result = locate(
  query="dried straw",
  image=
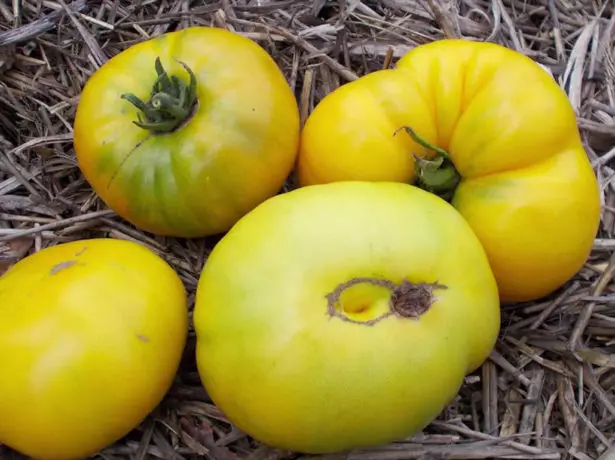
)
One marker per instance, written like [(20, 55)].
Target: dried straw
[(547, 390)]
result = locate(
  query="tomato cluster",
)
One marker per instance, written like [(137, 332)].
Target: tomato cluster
[(343, 314)]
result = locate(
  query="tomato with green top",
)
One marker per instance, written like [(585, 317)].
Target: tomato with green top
[(484, 127), (184, 133)]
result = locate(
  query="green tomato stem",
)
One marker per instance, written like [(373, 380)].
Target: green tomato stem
[(172, 102), (438, 175)]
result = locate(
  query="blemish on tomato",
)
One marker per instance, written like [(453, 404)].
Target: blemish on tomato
[(143, 338), (62, 266), (81, 251)]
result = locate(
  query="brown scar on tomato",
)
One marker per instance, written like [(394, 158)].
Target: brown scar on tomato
[(408, 300), (81, 251), (143, 338), (62, 266)]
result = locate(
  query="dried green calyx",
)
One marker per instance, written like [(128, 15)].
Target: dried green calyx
[(171, 103), (437, 175)]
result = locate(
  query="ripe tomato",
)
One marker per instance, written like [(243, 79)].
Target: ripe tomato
[(91, 335), (512, 160), (193, 168), (343, 315)]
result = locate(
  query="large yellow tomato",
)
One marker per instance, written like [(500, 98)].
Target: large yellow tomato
[(512, 161), (216, 132), (343, 315), (91, 336)]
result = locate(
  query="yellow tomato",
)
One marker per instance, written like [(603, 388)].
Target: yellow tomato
[(91, 335), (524, 182), (343, 315), (204, 155)]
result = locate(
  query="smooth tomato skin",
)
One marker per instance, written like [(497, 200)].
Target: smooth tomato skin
[(286, 372), (528, 189), (91, 336), (237, 150)]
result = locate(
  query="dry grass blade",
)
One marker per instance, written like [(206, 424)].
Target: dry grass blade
[(547, 390), (585, 317), (40, 26)]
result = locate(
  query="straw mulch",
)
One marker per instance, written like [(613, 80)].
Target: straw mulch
[(547, 390)]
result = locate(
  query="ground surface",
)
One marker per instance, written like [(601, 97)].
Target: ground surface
[(534, 398)]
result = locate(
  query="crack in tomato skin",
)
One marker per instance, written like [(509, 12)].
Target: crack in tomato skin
[(62, 266)]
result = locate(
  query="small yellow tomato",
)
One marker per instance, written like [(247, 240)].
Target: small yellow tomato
[(502, 137), (343, 315), (91, 336), (184, 133)]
